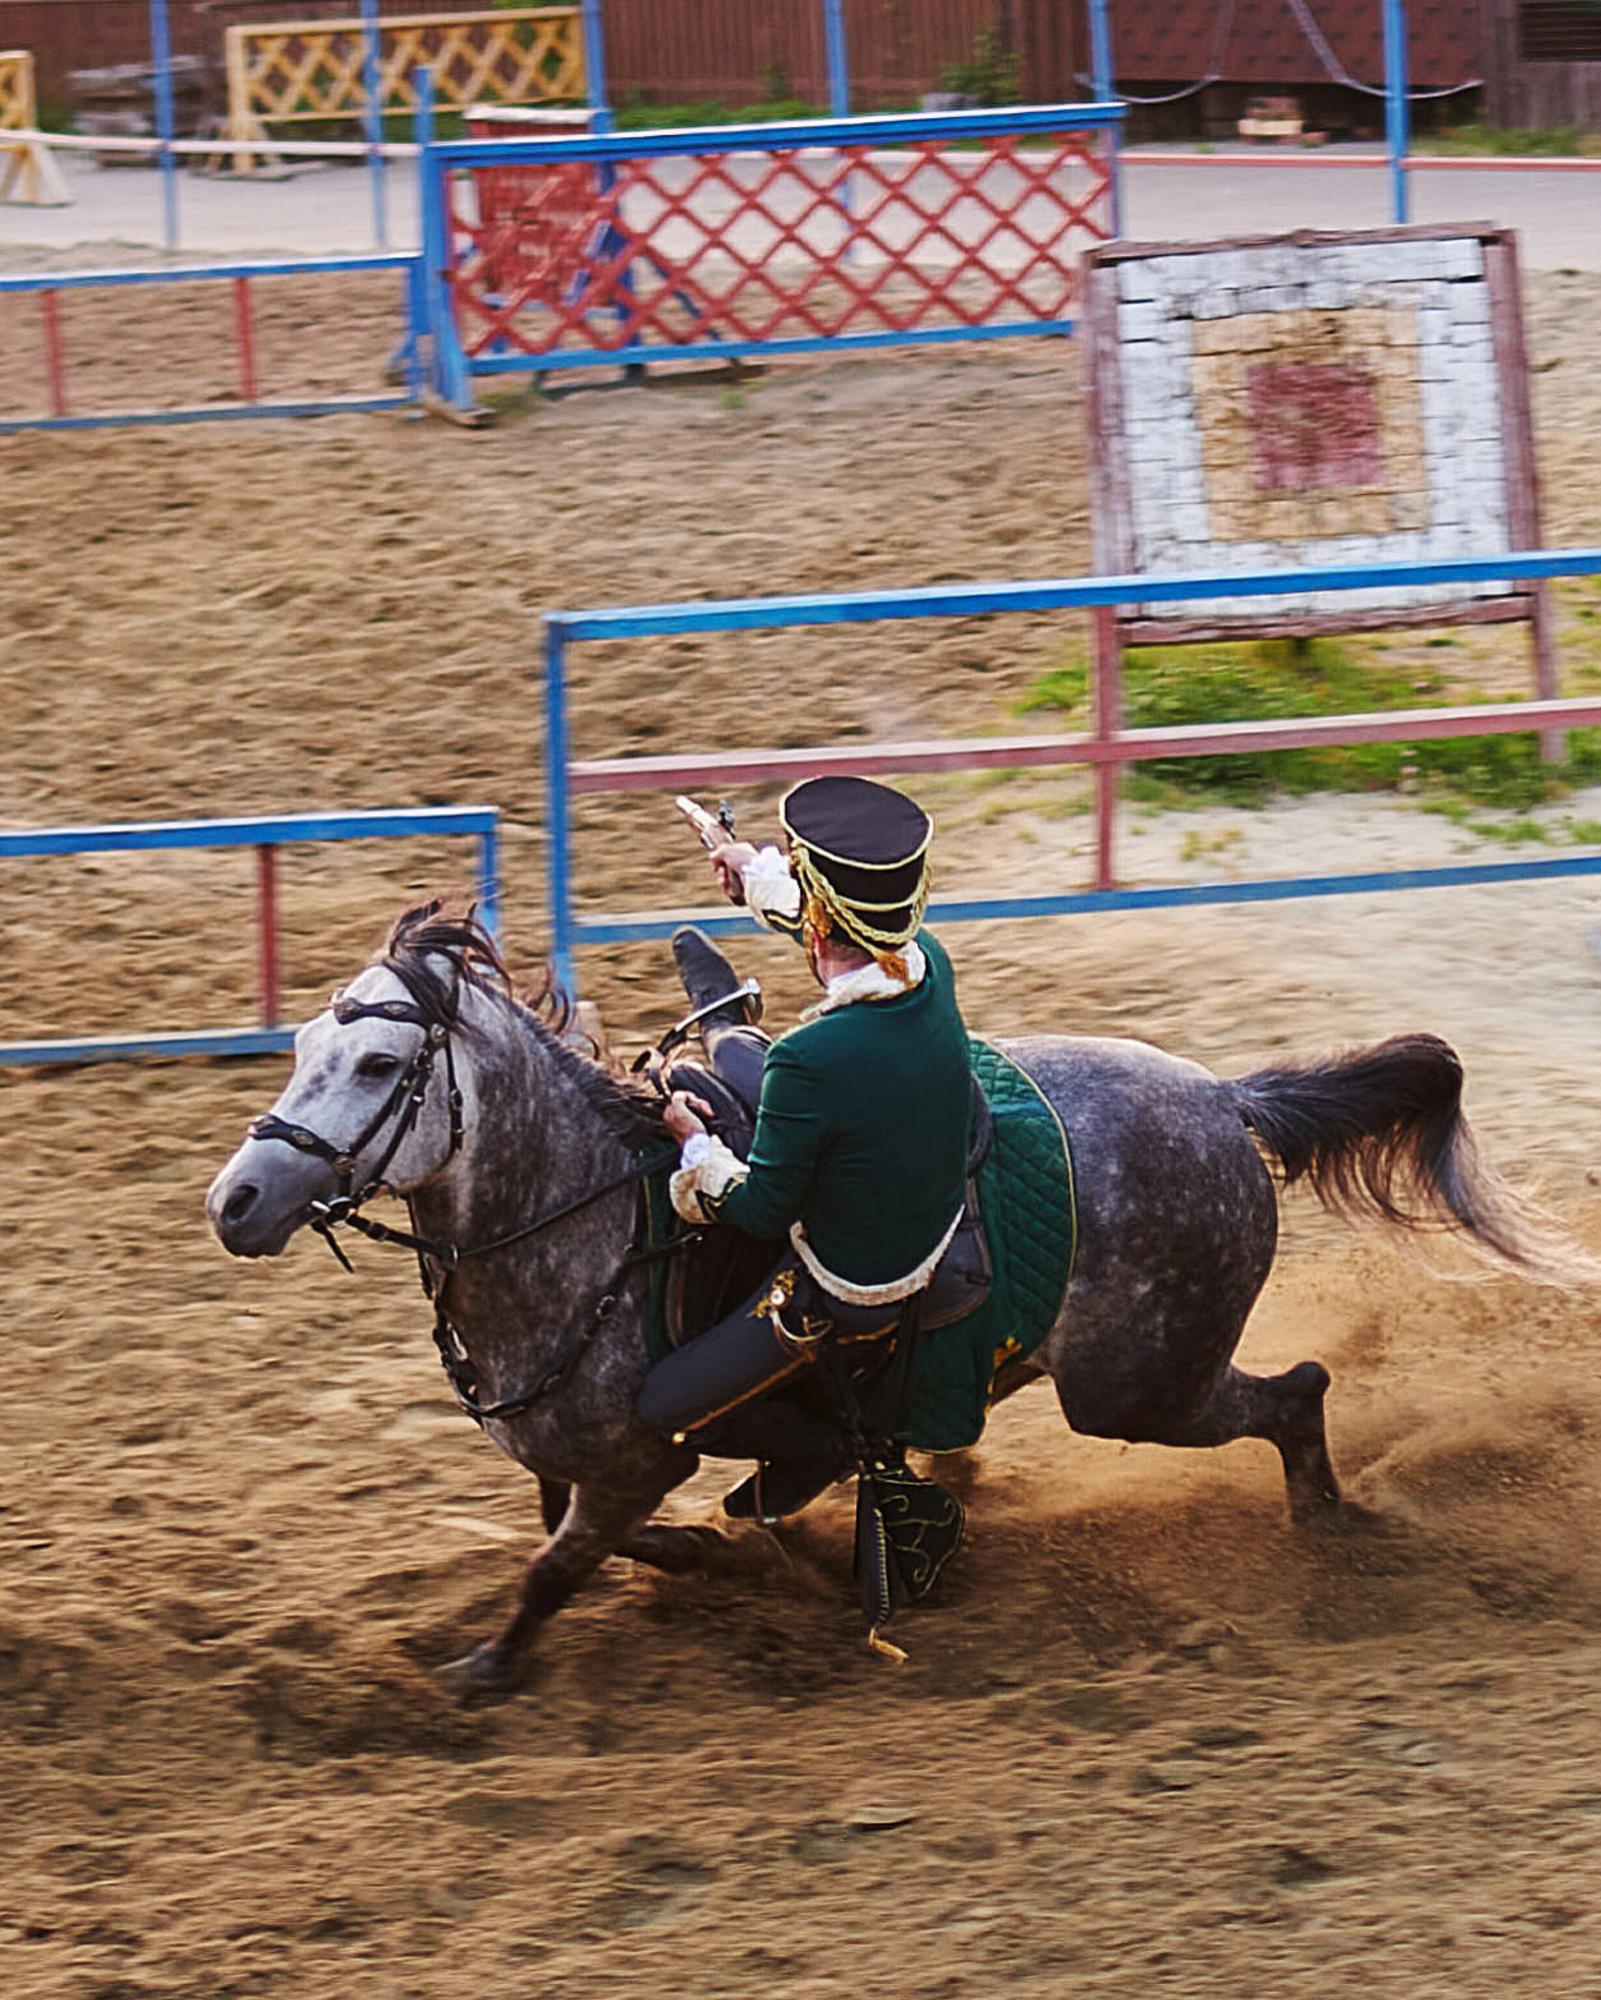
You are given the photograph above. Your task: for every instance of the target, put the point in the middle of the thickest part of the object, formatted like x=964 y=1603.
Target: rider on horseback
x=860 y=1150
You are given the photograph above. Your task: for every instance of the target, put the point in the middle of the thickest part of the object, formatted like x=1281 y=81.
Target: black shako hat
x=859 y=850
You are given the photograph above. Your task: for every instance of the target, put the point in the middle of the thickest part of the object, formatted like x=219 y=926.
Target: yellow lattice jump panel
x=285 y=71
x=18 y=110
x=27 y=172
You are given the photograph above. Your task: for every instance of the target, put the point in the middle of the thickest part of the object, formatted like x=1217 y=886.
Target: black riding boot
x=718 y=1392
x=735 y=1047
x=707 y=975
x=781 y=1485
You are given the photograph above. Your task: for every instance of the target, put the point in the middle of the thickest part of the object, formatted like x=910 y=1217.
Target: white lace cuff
x=713 y=1171
x=770 y=888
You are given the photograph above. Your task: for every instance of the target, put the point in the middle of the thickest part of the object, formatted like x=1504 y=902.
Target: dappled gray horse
x=520 y=1162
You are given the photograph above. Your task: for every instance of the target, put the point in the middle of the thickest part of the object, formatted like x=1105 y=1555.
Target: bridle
x=404 y=1105
x=436 y=1260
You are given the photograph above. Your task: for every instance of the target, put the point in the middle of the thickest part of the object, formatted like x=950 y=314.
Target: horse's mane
x=422 y=936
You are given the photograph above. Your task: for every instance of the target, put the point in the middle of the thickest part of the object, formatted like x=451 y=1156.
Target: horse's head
x=375 y=1097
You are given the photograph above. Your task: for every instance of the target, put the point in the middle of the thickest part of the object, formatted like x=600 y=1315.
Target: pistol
x=714 y=830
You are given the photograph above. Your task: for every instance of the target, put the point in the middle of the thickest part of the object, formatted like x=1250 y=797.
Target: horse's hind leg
x=1287 y=1411
x=1293 y=1412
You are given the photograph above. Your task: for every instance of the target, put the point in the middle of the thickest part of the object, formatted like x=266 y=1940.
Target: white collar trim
x=870 y=982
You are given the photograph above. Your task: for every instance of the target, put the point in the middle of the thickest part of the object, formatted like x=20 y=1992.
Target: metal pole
x=489 y=882
x=372 y=118
x=839 y=73
x=161 y=65
x=433 y=308
x=1108 y=697
x=55 y=353
x=839 y=103
x=558 y=891
x=1396 y=134
x=1105 y=86
x=410 y=351
x=267 y=934
x=245 y=339
x=595 y=63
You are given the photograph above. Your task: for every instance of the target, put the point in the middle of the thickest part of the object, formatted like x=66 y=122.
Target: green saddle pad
x=1026 y=1192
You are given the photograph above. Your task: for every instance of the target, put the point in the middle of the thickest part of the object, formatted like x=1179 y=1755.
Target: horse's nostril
x=240 y=1203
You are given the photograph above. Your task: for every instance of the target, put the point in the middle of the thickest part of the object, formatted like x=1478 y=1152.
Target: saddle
x=712 y=1276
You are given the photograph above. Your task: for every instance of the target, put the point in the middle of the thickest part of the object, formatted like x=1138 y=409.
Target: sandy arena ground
x=1148 y=1741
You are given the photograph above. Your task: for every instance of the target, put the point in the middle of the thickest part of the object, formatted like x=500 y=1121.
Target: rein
x=404 y=1105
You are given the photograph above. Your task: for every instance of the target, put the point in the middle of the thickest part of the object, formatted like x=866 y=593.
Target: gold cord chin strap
x=825 y=910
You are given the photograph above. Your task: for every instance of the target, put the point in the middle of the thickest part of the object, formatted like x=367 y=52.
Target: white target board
x=1312 y=399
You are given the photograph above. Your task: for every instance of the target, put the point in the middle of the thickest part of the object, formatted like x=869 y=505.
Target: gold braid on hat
x=825 y=910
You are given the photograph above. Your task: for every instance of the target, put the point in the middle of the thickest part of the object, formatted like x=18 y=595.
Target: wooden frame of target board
x=1322 y=397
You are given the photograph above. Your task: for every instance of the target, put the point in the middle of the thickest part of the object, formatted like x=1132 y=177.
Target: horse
x=520 y=1158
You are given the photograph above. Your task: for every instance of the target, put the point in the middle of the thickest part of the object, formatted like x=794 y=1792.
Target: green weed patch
x=1283 y=679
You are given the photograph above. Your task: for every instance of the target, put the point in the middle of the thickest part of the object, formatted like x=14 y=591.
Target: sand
x=1148 y=1740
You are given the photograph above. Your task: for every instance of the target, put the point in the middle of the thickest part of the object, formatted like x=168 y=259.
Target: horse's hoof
x=1348 y=1517
x=488 y=1673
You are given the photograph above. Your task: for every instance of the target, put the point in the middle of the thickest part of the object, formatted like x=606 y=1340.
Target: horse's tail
x=1379 y=1133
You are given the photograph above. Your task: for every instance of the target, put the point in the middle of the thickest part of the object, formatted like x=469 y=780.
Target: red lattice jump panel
x=809 y=245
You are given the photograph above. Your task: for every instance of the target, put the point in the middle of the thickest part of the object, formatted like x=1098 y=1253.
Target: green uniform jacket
x=862 y=1131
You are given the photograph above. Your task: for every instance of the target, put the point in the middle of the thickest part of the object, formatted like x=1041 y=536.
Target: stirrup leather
x=749 y=991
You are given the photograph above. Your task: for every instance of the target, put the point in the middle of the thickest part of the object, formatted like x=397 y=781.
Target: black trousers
x=748 y=1388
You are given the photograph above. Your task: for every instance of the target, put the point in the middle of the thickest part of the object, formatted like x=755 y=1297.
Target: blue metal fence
x=47 y=285
x=265 y=835
x=1107 y=749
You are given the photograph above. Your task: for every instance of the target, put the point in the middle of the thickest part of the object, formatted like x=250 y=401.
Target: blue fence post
x=558 y=849
x=839 y=73
x=161 y=64
x=372 y=118
x=1396 y=121
x=1105 y=87
x=595 y=62
x=839 y=102
x=489 y=881
x=448 y=374
x=409 y=355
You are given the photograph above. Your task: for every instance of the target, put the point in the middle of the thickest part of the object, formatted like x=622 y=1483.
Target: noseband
x=403 y=1105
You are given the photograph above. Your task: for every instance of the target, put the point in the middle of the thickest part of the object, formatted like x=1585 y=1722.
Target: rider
x=859 y=1157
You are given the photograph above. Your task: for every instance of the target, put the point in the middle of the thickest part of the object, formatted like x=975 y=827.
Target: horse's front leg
x=598 y=1522
x=681 y=1550
x=675 y=1550
x=554 y=1495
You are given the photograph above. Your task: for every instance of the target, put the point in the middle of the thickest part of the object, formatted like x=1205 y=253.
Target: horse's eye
x=377 y=1065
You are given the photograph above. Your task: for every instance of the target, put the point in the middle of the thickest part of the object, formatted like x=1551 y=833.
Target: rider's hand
x=728 y=865
x=685 y=1115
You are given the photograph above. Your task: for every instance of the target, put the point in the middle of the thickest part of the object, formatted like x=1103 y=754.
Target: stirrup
x=749 y=992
